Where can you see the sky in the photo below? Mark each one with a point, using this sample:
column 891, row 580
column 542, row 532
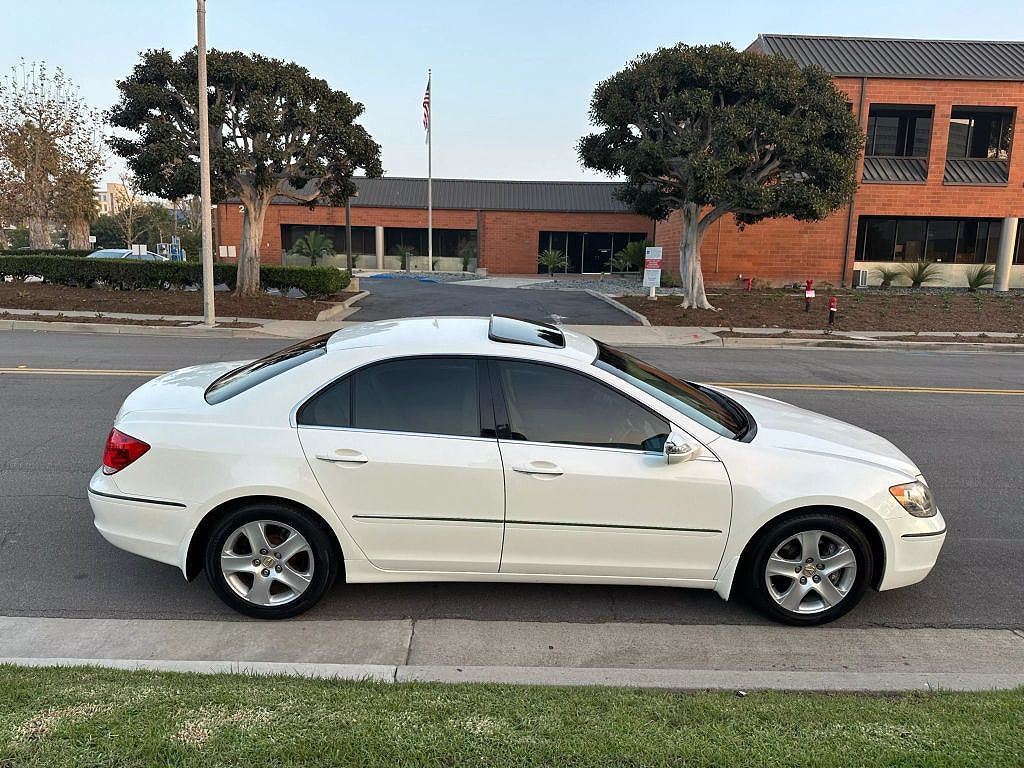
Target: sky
column 511, row 80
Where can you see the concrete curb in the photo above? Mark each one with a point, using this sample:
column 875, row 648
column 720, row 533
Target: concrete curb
column 341, row 310
column 670, row 679
column 133, row 330
column 642, row 319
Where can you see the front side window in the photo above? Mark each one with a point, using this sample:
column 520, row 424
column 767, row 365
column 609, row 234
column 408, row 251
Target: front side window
column 980, row 133
column 898, row 132
column 547, row 404
column 430, row 395
column 705, row 406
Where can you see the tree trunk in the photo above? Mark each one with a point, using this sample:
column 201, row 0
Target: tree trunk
column 39, row 233
column 78, row 235
column 689, row 260
column 255, row 204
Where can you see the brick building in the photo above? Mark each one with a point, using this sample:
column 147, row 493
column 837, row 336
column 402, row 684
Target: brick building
column 503, row 224
column 940, row 180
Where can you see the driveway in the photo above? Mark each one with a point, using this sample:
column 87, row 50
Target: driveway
column 409, row 297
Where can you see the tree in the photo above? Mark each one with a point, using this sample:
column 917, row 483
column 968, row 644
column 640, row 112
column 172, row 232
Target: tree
column 313, row 246
column 50, row 153
column 128, row 209
column 710, row 131
column 552, row 259
column 107, row 231
column 275, row 131
column 629, row 258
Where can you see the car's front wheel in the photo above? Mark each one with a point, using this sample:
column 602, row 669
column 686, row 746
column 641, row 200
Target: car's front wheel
column 269, row 561
column 810, row 569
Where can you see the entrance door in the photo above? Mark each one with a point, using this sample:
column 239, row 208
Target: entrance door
column 588, row 491
column 401, row 449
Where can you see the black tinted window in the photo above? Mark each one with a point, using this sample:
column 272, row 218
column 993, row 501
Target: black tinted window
column 553, row 405
column 239, row 380
column 431, row 395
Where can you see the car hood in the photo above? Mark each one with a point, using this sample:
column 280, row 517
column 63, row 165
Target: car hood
column 790, row 428
column 182, row 389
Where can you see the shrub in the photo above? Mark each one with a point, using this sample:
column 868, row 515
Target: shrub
column 552, row 259
column 42, row 252
column 629, row 258
column 127, row 274
column 313, row 246
column 921, row 272
column 404, row 253
column 670, row 279
column 980, row 276
column 888, row 274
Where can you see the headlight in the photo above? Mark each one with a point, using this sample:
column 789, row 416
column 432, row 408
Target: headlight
column 915, row 498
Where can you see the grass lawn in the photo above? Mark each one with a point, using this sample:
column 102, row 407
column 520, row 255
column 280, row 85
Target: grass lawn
column 93, row 717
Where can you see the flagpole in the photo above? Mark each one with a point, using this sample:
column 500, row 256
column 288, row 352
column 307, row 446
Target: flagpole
column 430, row 184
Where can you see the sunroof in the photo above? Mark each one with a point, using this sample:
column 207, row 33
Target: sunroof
column 513, row 330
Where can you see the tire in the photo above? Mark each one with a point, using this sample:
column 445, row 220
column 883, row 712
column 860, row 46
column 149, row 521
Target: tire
column 825, row 593
column 278, row 587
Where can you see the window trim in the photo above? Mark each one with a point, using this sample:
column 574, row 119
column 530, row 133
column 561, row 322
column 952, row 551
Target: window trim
column 485, row 408
column 504, row 427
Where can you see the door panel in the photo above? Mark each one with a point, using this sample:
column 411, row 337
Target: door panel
column 413, row 502
column 612, row 513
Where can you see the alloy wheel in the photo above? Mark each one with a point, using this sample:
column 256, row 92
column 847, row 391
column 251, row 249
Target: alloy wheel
column 267, row 563
column 811, row 572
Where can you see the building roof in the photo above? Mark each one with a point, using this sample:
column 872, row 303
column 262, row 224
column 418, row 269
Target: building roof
column 487, row 195
column 901, row 58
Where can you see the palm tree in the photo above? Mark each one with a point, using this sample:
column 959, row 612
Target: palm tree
column 552, row 259
column 313, row 246
column 629, row 258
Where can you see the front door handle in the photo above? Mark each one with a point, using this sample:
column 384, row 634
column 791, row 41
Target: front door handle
column 343, row 456
column 538, row 468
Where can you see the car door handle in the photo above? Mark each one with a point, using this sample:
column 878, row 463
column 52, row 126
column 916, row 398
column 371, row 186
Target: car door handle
column 538, row 468
column 343, row 456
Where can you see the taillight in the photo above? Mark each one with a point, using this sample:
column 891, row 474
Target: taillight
column 121, row 451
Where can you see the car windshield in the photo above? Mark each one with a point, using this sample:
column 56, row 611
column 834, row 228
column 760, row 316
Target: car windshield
column 705, row 406
column 249, row 375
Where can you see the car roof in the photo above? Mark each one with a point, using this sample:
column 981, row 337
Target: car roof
column 455, row 335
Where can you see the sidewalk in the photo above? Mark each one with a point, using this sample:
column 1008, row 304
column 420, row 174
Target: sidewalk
column 451, row 650
column 623, row 335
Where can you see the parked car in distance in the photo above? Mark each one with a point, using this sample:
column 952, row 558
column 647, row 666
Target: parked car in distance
column 126, row 253
column 468, row 449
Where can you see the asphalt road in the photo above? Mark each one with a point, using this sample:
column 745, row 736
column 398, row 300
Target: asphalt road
column 968, row 445
column 406, row 297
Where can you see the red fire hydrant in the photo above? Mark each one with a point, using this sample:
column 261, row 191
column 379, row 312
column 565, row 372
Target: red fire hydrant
column 808, row 295
column 833, row 307
column 750, row 283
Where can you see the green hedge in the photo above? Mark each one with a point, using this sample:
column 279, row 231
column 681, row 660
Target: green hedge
column 133, row 275
column 43, row 252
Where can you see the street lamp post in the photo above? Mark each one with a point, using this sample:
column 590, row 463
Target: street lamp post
column 348, row 229
column 209, row 314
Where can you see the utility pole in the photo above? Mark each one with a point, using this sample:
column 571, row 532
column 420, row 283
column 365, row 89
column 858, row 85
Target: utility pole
column 209, row 314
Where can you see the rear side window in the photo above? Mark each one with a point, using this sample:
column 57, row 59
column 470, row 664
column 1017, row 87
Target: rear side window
column 430, row 395
column 248, row 376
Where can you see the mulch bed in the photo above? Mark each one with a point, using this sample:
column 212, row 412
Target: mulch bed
column 43, row 296
column 59, row 318
column 858, row 311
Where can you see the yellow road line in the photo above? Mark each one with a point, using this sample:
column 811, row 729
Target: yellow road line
column 870, row 388
column 733, row 384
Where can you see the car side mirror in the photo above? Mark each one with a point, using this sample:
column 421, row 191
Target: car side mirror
column 679, row 449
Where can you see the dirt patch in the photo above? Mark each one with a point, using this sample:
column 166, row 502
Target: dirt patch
column 858, row 311
column 43, row 296
column 58, row 318
column 976, row 339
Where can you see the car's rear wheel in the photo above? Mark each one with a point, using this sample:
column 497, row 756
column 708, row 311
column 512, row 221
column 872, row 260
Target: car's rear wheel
column 810, row 569
column 269, row 561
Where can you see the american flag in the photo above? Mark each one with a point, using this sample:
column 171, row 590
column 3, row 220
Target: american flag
column 426, row 106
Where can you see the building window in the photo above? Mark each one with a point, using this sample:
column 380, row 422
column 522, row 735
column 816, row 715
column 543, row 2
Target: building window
column 586, row 251
column 898, row 131
column 980, row 132
column 363, row 238
column 960, row 241
column 446, row 241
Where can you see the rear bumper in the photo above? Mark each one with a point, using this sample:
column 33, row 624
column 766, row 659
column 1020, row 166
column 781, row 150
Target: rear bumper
column 153, row 528
column 916, row 543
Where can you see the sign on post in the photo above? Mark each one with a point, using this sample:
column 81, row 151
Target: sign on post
column 138, row 249
column 652, row 268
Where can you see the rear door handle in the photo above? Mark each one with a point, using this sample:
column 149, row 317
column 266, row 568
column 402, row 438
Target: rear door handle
column 538, row 468
column 343, row 456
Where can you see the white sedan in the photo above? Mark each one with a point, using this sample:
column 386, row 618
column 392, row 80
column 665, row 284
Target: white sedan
column 468, row 449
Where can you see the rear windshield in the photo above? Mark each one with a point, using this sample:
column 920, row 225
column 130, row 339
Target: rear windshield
column 239, row 380
column 705, row 406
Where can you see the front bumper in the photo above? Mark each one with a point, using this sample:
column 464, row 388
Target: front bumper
column 914, row 545
column 153, row 528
